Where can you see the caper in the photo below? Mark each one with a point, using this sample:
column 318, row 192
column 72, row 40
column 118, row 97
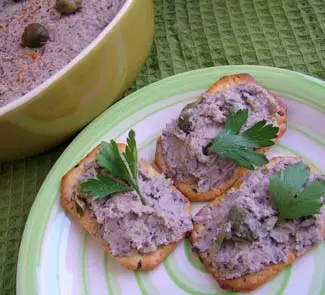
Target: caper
column 240, row 224
column 189, row 106
column 67, row 6
column 222, row 236
column 199, row 100
column 237, row 213
column 34, row 35
column 183, row 120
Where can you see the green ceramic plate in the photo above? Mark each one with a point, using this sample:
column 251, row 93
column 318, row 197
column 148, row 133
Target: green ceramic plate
column 58, row 257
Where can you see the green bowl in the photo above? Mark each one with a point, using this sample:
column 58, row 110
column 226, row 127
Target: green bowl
column 90, row 83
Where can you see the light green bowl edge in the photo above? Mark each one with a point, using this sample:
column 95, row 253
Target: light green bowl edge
column 19, row 120
column 37, row 92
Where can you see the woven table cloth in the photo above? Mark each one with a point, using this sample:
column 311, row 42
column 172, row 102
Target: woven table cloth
column 189, row 34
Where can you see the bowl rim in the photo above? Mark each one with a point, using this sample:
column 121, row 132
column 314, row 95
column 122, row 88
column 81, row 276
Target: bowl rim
column 57, row 75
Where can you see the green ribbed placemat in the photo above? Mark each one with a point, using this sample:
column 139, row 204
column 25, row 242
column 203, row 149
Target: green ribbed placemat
column 189, row 34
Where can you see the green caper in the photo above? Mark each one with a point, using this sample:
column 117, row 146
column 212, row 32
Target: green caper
column 67, row 6
column 222, row 236
column 240, row 224
column 189, row 106
column 34, row 35
column 183, row 120
column 237, row 213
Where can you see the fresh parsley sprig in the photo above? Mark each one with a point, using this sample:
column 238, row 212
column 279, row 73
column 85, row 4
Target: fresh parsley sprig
column 290, row 200
column 103, row 186
column 121, row 166
column 231, row 145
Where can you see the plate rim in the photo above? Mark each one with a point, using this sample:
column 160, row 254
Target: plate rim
column 32, row 228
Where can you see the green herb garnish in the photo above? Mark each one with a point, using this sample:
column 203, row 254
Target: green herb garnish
column 287, row 194
column 231, row 145
column 121, row 166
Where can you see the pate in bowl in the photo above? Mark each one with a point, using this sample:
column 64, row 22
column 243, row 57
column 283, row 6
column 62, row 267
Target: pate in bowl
column 55, row 93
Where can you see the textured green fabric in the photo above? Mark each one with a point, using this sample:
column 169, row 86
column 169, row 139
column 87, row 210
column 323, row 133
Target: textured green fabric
column 189, row 34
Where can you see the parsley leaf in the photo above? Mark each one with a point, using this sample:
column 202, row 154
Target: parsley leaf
column 289, row 182
column 236, row 121
column 231, row 145
column 229, row 149
column 109, row 158
column 122, row 166
column 103, row 186
column 131, row 155
column 244, row 157
column 285, row 189
column 260, row 135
